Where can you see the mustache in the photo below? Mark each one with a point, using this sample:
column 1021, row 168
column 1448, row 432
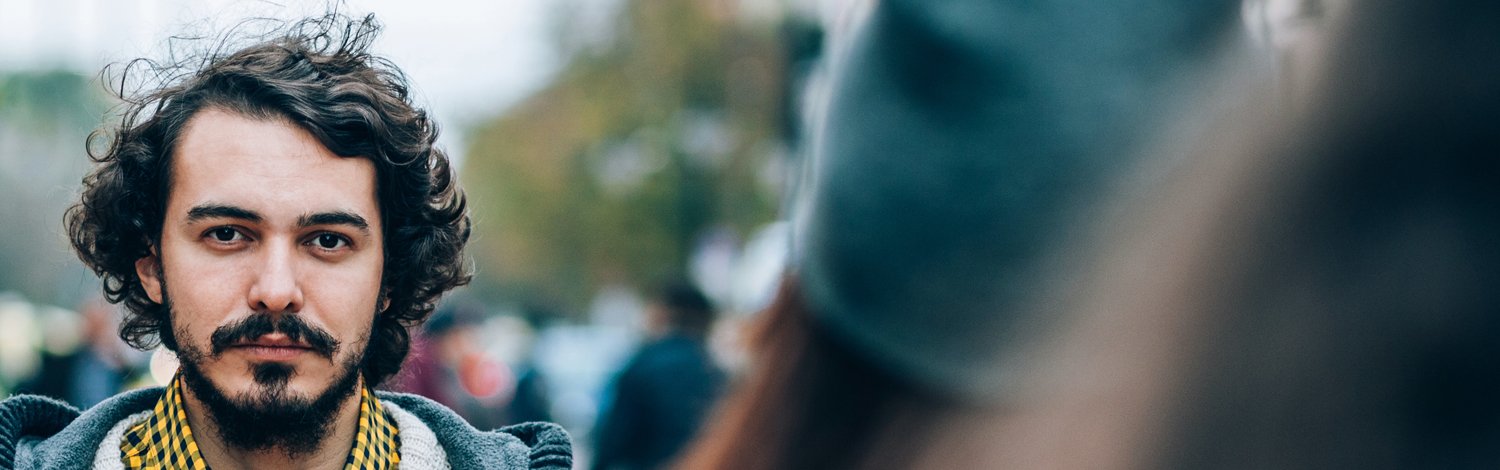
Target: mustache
column 260, row 324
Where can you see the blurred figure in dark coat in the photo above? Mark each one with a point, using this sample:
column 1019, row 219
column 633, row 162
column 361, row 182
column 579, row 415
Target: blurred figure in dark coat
column 661, row 396
column 532, row 400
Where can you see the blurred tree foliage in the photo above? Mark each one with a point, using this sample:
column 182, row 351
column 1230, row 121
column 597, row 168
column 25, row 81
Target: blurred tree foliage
column 660, row 131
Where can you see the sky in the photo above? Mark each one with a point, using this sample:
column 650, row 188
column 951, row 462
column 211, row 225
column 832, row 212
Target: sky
column 467, row 60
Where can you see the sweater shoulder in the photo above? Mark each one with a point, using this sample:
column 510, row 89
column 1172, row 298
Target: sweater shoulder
column 28, row 419
column 522, row 447
column 40, row 432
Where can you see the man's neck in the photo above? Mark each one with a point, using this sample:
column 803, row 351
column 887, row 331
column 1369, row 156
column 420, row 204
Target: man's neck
column 330, row 454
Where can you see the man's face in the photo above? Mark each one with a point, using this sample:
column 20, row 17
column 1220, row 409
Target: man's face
column 263, row 224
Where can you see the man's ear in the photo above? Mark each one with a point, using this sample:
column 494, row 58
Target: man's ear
column 148, row 268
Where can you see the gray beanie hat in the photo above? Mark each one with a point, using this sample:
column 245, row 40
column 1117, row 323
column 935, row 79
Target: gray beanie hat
column 959, row 136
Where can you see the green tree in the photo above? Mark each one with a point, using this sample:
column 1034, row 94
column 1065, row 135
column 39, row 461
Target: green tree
column 612, row 172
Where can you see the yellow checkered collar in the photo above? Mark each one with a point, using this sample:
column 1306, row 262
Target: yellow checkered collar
column 165, row 441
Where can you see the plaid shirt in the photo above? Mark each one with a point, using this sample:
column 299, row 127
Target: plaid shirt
column 164, row 441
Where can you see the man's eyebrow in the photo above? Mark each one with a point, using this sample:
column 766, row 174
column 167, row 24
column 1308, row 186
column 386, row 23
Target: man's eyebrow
column 334, row 218
column 221, row 211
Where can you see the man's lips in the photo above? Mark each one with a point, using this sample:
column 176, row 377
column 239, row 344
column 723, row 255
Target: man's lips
column 272, row 347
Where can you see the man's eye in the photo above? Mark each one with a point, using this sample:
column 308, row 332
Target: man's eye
column 330, row 241
column 224, row 234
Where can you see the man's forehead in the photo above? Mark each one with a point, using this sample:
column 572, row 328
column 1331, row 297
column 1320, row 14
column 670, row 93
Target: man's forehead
column 269, row 166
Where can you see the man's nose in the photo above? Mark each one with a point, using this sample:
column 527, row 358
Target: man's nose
column 277, row 289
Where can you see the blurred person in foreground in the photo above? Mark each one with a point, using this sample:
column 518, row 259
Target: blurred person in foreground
column 278, row 216
column 661, row 396
column 1309, row 287
column 966, row 145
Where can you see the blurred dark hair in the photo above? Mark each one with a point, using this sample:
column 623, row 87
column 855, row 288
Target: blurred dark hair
column 687, row 307
column 318, row 74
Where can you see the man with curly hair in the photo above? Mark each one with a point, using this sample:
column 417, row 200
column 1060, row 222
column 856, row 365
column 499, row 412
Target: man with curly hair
column 278, row 217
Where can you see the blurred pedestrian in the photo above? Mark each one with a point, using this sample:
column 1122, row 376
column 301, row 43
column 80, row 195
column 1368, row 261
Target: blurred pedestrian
column 90, row 372
column 448, row 366
column 532, row 400
column 660, row 398
column 277, row 215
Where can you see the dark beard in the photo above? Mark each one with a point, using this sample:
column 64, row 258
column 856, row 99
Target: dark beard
column 269, row 418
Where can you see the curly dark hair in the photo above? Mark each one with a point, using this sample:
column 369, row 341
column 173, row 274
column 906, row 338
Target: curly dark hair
column 317, row 73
